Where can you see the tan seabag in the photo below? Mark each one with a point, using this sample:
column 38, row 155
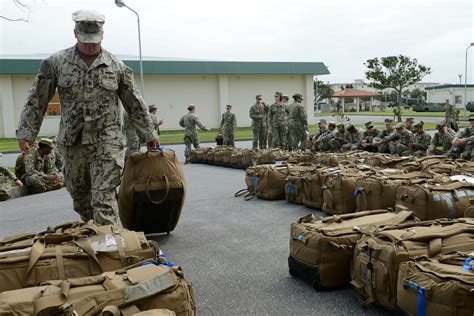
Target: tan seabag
column 321, row 249
column 313, row 184
column 147, row 287
column 437, row 287
column 294, row 191
column 377, row 256
column 270, row 181
column 70, row 251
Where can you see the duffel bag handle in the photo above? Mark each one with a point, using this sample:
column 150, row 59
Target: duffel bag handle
column 147, row 192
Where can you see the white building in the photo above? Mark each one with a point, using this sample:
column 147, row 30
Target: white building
column 172, row 85
column 452, row 92
column 360, row 84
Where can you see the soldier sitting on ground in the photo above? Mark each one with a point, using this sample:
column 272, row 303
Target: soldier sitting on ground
column 442, row 138
column 421, row 142
column 339, row 138
column 389, row 130
column 191, row 137
column 40, row 172
column 323, row 130
column 368, row 138
column 6, row 179
column 354, row 137
column 399, row 141
column 228, row 126
column 409, row 121
column 323, row 141
column 464, row 141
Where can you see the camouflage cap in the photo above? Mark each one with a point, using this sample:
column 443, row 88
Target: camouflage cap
column 47, row 142
column 400, row 126
column 228, row 106
column 418, row 124
column 297, row 96
column 152, row 107
column 322, row 121
column 332, row 124
column 258, row 96
column 278, row 94
column 409, row 120
column 88, row 26
column 440, row 124
column 369, row 124
column 191, row 107
column 388, row 121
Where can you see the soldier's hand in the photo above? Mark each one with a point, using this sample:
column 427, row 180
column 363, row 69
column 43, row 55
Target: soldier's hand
column 18, row 183
column 161, row 121
column 24, row 145
column 153, row 144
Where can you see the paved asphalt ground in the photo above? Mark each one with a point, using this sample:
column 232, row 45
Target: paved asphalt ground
column 235, row 252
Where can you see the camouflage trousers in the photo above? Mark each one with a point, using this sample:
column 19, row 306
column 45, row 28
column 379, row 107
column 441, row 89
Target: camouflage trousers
column 5, row 186
column 92, row 174
column 133, row 143
column 412, row 152
column 269, row 138
column 38, row 184
column 190, row 140
column 299, row 138
column 228, row 138
column 430, row 152
column 259, row 137
column 279, row 136
column 467, row 151
column 397, row 148
column 336, row 144
column 384, row 148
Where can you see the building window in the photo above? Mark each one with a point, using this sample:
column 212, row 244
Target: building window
column 54, row 107
column 458, row 99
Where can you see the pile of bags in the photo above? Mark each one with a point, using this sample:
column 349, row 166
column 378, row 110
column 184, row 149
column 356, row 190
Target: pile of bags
column 84, row 269
column 390, row 258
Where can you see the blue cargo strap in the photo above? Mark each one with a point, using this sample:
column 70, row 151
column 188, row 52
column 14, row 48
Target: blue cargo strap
column 254, row 182
column 357, row 191
column 290, row 186
column 421, row 305
column 467, row 264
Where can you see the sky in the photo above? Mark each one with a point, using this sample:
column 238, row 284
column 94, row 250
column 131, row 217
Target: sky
column 341, row 33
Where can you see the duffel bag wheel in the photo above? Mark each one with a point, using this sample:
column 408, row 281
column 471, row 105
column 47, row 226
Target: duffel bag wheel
column 292, row 272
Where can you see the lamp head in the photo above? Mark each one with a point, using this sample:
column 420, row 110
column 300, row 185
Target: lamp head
column 119, row 3
column 472, row 44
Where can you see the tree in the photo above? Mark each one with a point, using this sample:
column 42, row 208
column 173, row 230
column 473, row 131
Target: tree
column 417, row 93
column 321, row 91
column 396, row 72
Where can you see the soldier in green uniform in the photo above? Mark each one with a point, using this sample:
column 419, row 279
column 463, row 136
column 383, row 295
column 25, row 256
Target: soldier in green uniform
column 400, row 140
column 339, row 138
column 323, row 130
column 354, row 137
column 6, row 179
column 228, row 126
column 464, row 141
column 298, row 123
column 389, row 130
column 421, row 142
column 90, row 82
column 259, row 115
column 40, row 172
column 450, row 116
column 191, row 137
column 409, row 124
column 368, row 137
column 442, row 140
column 152, row 109
column 278, row 121
column 322, row 143
column 285, row 100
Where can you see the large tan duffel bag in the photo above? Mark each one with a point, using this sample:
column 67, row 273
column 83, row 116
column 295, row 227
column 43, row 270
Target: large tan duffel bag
column 70, row 251
column 248, row 157
column 313, row 183
column 321, row 249
column 437, row 200
column 294, row 192
column 152, row 192
column 439, row 287
column 270, row 181
column 236, row 159
column 377, row 256
column 146, row 287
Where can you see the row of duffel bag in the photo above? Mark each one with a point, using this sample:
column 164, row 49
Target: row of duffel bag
column 390, row 258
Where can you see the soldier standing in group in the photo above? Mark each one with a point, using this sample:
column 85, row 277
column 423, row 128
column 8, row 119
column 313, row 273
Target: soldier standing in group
column 450, row 116
column 156, row 122
column 354, row 137
column 259, row 115
column 368, row 137
column 285, row 100
column 40, row 172
column 464, row 141
column 191, row 137
column 90, row 83
column 323, row 142
column 339, row 138
column 298, row 123
column 389, row 130
column 409, row 124
column 442, row 138
column 421, row 143
column 400, row 140
column 278, row 122
column 228, row 126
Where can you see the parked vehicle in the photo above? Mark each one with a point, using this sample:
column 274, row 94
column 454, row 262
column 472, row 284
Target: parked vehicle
column 470, row 106
column 429, row 107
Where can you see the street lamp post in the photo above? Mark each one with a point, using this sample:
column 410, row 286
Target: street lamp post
column 120, row 3
column 465, row 80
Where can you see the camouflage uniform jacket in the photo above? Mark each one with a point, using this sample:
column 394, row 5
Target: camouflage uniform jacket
column 405, row 138
column 228, row 122
column 422, row 141
column 89, row 99
column 341, row 137
column 259, row 115
column 466, row 134
column 278, row 115
column 450, row 115
column 369, row 136
column 7, row 173
column 298, row 116
column 189, row 122
column 354, row 138
column 156, row 123
column 37, row 165
column 321, row 133
column 327, row 137
column 443, row 139
column 386, row 132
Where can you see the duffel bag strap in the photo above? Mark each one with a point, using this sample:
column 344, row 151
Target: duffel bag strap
column 148, row 190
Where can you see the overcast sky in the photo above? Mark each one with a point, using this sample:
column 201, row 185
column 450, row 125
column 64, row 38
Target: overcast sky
column 340, row 33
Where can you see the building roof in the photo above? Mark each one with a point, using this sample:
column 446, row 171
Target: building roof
column 151, row 65
column 448, row 86
column 353, row 93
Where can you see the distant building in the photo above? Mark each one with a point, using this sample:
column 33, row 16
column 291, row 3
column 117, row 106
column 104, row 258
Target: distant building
column 172, row 85
column 360, row 84
column 453, row 92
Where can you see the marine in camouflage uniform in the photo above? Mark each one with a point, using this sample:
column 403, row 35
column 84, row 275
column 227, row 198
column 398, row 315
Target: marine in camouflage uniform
column 154, row 119
column 409, row 121
column 6, row 178
column 354, row 137
column 228, row 126
column 323, row 142
column 450, row 116
column 278, row 121
column 259, row 115
column 286, row 99
column 389, row 130
column 298, row 123
column 400, row 140
column 40, row 171
column 323, row 130
column 421, row 142
column 191, row 137
column 339, row 139
column 464, row 141
column 442, row 138
column 368, row 137
column 90, row 82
